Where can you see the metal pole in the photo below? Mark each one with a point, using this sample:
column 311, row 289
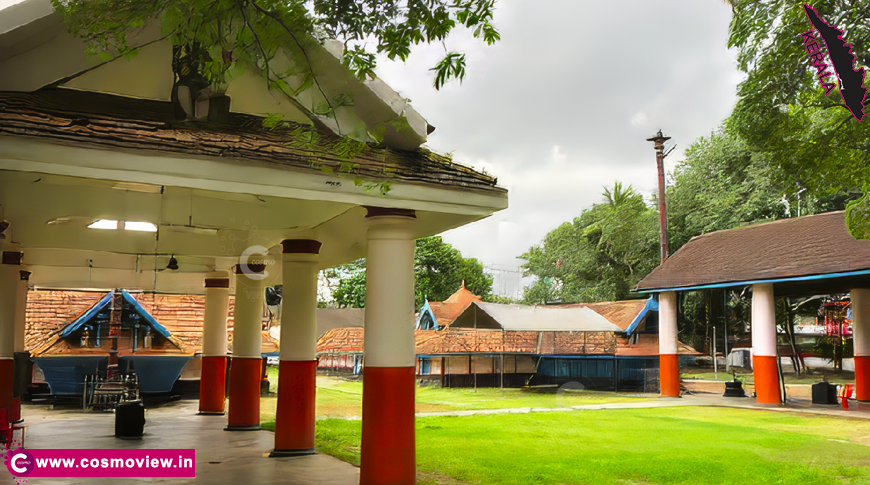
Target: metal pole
column 715, row 360
column 659, row 144
column 725, row 318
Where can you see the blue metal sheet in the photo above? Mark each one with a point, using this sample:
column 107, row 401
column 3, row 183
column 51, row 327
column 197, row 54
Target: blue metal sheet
column 65, row 375
column 651, row 305
column 156, row 373
column 144, row 313
column 86, row 317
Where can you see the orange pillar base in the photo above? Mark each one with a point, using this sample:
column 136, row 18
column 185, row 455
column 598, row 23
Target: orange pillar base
column 244, row 409
column 388, row 454
column 766, row 379
column 669, row 375
column 862, row 378
column 212, row 385
column 294, row 420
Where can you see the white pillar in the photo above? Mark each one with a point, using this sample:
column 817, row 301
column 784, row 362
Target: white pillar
column 861, row 340
column 669, row 359
column 764, row 364
column 299, row 305
column 21, row 308
column 217, row 301
column 763, row 320
column 387, row 448
column 246, row 367
column 668, row 323
column 212, row 383
column 248, row 317
column 297, row 371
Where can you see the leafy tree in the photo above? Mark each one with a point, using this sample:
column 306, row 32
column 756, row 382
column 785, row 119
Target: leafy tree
column 439, row 271
column 274, row 38
column 600, row 255
column 721, row 184
column 812, row 140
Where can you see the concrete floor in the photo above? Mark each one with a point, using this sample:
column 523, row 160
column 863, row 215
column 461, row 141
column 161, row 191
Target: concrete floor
column 222, row 457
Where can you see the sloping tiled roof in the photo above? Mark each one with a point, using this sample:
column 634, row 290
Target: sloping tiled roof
column 104, row 121
column 47, row 312
column 470, row 341
column 341, row 340
column 811, row 245
column 534, row 318
column 447, row 310
column 620, row 313
column 648, row 345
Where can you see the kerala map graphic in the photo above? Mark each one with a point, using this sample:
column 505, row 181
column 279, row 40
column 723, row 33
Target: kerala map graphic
column 851, row 80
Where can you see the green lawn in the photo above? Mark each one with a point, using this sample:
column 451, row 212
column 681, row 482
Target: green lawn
column 342, row 399
column 696, row 445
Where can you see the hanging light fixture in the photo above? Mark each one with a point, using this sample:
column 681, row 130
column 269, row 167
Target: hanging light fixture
column 173, row 263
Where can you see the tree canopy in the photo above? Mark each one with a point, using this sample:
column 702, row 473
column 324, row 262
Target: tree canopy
column 439, row 271
column 812, row 140
column 272, row 37
column 600, row 255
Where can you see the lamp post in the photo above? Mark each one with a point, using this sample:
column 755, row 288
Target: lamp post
column 659, row 141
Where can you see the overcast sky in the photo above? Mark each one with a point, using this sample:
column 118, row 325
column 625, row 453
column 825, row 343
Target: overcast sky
column 563, row 104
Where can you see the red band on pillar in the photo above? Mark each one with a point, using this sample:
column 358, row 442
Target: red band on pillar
column 217, row 283
column 388, row 454
column 255, row 268
column 244, row 411
column 766, row 379
column 11, row 257
column 294, row 422
column 862, row 377
column 669, row 375
column 212, row 385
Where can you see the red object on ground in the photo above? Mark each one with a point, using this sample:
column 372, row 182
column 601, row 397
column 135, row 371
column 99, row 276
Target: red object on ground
column 766, row 379
column 212, row 385
column 845, row 394
column 862, row 378
column 388, row 456
column 669, row 375
column 294, row 420
column 244, row 409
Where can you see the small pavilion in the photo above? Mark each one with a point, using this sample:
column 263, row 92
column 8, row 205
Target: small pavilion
column 111, row 178
column 805, row 256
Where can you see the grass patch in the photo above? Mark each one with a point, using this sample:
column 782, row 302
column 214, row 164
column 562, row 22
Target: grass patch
column 340, row 398
column 696, row 445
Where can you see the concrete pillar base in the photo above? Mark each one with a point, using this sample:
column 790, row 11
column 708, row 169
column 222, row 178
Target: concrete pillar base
column 252, row 427
column 212, row 385
column 244, row 409
column 283, row 453
column 862, row 378
column 669, row 375
column 388, row 453
column 295, row 416
column 766, row 379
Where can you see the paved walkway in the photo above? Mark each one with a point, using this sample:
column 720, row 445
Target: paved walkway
column 222, row 457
